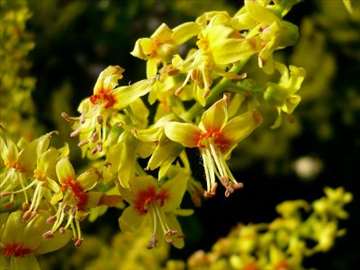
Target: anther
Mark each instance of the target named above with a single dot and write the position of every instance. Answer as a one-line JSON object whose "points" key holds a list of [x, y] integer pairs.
{"points": [[82, 143], [212, 192], [152, 243], [75, 133], [48, 235], [51, 220], [66, 117], [28, 215], [4, 194], [77, 242]]}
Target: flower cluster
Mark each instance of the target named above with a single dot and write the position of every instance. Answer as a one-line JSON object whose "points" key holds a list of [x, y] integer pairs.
{"points": [[301, 230], [285, 242], [41, 192], [202, 64], [198, 94]]}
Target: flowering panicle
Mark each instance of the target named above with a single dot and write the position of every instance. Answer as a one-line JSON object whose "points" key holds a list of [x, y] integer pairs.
{"points": [[202, 96], [189, 68], [27, 166], [301, 230]]}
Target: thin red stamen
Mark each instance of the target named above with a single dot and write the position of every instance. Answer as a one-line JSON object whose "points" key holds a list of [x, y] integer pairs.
{"points": [[16, 250], [79, 193], [104, 95]]}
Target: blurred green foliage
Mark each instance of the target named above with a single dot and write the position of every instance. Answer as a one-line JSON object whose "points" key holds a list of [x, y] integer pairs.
{"points": [[16, 106]]}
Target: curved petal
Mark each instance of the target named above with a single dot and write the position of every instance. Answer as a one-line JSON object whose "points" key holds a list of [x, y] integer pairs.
{"points": [[151, 68], [58, 241], [185, 31], [108, 78], [130, 220], [215, 117], [24, 263], [175, 189], [178, 239], [241, 126], [14, 228], [183, 133], [125, 95], [260, 13], [65, 170], [166, 150]]}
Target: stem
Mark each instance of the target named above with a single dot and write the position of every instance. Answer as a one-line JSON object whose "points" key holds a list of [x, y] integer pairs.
{"points": [[215, 93]]}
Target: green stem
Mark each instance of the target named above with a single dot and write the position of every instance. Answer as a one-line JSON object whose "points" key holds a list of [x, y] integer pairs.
{"points": [[215, 93]]}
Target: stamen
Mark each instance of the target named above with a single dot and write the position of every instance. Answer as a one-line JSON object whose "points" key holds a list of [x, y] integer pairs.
{"points": [[68, 118], [82, 143], [51, 220], [24, 188], [6, 179], [168, 232], [209, 174], [180, 89], [75, 133], [152, 242], [79, 239]]}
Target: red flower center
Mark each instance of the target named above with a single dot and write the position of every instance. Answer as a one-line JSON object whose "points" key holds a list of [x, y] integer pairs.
{"points": [[149, 196], [282, 265], [103, 96], [220, 141], [251, 266], [79, 193], [17, 250], [15, 165]]}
